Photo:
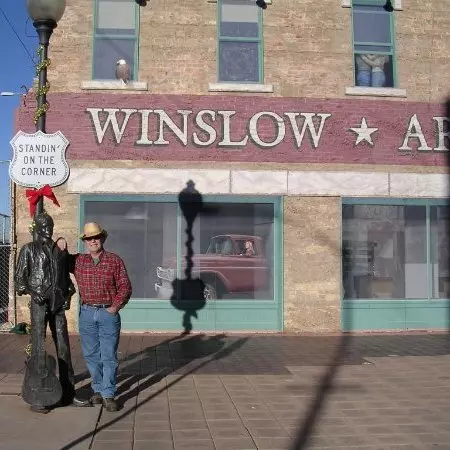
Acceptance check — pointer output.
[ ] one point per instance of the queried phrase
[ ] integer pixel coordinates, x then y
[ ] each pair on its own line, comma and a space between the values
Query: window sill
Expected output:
116, 85
268, 2
240, 87
375, 92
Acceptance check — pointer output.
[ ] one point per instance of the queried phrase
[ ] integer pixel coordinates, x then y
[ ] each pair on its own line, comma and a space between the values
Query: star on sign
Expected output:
364, 132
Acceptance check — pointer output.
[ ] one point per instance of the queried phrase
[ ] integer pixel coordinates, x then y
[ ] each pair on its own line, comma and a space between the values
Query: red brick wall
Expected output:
337, 144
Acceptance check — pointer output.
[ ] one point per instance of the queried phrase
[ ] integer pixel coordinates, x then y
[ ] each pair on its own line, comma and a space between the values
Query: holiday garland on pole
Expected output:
40, 111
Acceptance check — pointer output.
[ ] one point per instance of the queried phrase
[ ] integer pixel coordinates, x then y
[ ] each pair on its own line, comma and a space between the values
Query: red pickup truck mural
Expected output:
233, 263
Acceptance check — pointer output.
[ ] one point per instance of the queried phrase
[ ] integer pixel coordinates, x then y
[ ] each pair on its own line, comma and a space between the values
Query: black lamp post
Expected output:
45, 15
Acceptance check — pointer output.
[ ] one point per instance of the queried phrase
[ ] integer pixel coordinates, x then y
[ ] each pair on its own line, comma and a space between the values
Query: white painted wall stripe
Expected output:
259, 182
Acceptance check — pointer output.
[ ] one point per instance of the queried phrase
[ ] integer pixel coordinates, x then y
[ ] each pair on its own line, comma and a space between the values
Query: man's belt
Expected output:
96, 305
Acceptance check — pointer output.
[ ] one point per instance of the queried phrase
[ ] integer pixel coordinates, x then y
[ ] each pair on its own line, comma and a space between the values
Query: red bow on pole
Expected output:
34, 195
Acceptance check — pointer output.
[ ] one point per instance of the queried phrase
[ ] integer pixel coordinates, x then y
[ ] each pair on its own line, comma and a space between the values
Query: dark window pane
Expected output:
239, 29
374, 70
106, 54
440, 251
116, 14
371, 27
239, 61
384, 252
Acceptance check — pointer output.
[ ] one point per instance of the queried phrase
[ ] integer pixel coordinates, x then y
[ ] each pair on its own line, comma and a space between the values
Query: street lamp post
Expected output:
45, 15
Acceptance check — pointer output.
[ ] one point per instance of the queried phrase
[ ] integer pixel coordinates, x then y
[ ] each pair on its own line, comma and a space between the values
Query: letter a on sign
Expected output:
39, 159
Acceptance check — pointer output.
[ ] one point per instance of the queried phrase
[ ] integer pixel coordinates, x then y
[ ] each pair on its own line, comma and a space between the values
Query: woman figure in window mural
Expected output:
248, 250
370, 70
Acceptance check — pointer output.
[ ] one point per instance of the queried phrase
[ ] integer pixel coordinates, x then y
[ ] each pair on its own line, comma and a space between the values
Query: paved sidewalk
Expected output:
248, 392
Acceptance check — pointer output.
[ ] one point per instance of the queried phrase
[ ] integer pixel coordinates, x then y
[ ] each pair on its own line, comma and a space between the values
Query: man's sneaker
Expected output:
81, 402
97, 399
110, 404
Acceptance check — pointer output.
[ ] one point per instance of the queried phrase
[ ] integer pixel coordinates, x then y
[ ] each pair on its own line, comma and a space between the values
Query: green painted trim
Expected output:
96, 37
259, 40
394, 50
179, 240
261, 44
278, 262
341, 267
428, 251
137, 25
137, 303
379, 44
395, 201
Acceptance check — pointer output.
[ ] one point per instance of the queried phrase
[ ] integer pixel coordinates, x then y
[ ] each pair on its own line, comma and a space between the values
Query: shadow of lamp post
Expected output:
188, 293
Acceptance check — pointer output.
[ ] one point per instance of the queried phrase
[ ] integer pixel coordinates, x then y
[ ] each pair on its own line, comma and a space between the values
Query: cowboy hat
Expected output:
92, 229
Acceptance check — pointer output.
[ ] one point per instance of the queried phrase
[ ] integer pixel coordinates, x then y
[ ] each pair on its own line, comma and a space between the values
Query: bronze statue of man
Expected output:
43, 273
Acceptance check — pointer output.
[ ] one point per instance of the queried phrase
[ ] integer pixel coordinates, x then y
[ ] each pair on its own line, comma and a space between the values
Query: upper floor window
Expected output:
240, 49
115, 37
373, 44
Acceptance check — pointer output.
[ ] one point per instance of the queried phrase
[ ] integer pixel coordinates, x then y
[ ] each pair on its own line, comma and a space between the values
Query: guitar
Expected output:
41, 386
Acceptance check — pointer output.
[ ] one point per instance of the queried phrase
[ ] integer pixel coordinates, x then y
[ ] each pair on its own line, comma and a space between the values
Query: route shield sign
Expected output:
39, 159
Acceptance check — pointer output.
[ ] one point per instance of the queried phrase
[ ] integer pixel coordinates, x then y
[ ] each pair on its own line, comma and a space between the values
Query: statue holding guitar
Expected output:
43, 273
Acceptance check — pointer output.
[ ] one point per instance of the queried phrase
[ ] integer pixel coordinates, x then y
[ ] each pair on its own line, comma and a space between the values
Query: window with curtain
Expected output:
373, 44
395, 251
115, 37
240, 55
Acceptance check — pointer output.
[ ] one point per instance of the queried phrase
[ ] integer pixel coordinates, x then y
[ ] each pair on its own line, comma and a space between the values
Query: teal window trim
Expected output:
277, 202
392, 44
135, 37
427, 203
259, 40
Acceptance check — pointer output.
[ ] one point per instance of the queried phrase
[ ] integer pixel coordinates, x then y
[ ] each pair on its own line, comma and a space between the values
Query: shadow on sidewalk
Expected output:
213, 348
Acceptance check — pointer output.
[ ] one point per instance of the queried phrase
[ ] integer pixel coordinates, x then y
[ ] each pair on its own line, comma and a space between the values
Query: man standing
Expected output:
43, 273
104, 289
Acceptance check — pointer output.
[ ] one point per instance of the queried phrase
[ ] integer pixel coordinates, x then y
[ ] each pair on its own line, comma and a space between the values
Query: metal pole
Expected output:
44, 30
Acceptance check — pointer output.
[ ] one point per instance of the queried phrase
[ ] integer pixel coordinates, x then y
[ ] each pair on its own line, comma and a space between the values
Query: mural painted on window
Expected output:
440, 251
373, 45
384, 252
233, 250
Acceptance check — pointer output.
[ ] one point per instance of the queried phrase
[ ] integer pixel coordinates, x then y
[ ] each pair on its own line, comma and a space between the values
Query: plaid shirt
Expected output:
104, 283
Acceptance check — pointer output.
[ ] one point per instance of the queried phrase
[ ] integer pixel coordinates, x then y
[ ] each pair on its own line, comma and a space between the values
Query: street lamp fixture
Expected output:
45, 15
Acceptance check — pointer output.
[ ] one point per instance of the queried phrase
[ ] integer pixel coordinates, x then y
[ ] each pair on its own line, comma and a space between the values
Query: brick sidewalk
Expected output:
249, 392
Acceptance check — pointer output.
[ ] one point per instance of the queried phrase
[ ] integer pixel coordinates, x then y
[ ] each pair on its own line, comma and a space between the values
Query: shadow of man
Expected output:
188, 294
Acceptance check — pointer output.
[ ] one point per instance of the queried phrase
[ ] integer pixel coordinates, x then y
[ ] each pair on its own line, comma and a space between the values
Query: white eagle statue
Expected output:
123, 71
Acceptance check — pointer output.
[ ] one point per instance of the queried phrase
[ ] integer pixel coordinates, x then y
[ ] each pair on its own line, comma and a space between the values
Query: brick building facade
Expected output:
332, 164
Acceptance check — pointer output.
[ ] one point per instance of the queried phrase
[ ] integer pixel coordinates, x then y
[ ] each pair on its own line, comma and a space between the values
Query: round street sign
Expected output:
39, 159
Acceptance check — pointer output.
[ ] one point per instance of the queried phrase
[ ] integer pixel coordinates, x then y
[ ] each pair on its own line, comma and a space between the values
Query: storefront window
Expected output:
384, 252
233, 251
440, 247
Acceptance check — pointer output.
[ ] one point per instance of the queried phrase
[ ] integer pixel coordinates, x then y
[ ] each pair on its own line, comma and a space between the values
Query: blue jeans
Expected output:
363, 78
378, 79
99, 336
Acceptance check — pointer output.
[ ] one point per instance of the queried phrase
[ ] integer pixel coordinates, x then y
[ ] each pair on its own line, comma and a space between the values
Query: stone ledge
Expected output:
259, 182
115, 85
240, 87
375, 92
268, 2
